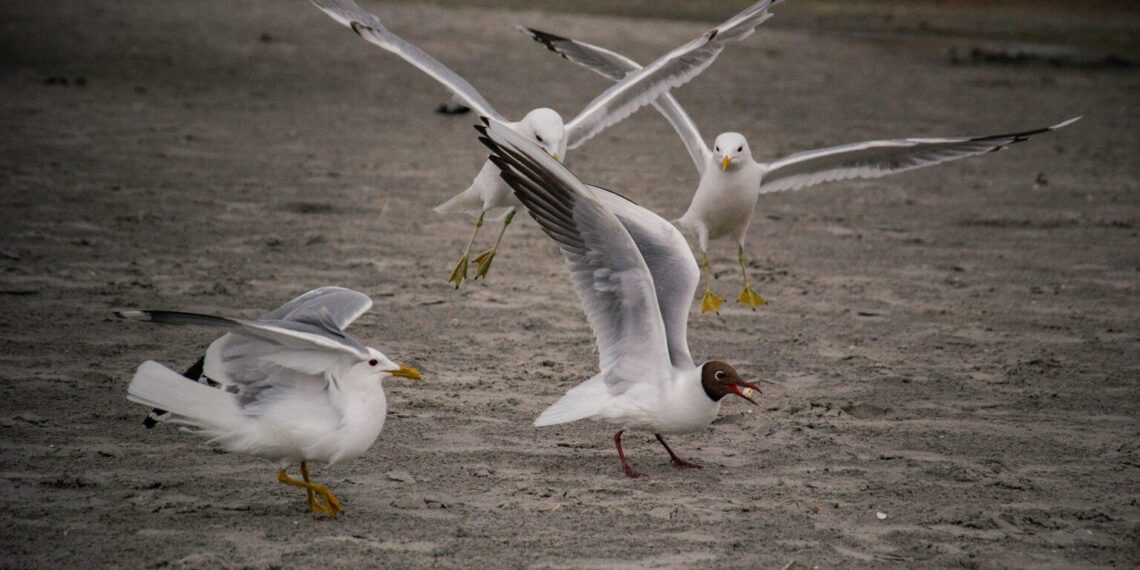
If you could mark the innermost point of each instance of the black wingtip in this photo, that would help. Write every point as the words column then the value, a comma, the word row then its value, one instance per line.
column 497, row 159
column 546, row 38
column 487, row 142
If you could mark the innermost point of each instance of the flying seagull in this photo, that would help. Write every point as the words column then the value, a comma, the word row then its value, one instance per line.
column 635, row 276
column 731, row 181
column 488, row 195
column 292, row 387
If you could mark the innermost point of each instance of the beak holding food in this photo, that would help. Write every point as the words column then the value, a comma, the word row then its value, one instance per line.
column 746, row 391
column 406, row 372
column 724, row 162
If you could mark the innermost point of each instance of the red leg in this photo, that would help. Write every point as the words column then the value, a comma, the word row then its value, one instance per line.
column 629, row 472
column 677, row 461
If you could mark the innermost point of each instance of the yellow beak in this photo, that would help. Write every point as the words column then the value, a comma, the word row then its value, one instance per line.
column 724, row 162
column 406, row 372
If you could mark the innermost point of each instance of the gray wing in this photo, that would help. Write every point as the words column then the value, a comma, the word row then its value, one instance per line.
column 606, row 268
column 671, row 263
column 299, row 344
column 879, row 158
column 315, row 331
column 343, row 305
column 667, row 72
column 368, row 26
column 615, row 67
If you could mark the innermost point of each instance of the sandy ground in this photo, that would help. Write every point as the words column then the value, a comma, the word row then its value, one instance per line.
column 955, row 348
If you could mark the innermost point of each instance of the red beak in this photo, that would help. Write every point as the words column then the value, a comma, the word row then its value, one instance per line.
column 736, row 389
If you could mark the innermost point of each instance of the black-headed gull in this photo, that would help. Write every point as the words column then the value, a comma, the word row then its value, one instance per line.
column 635, row 276
column 731, row 181
column 487, row 195
column 290, row 387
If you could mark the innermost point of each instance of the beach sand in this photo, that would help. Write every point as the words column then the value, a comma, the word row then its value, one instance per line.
column 952, row 355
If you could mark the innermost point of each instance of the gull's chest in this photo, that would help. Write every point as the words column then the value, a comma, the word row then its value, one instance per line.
column 677, row 406
column 725, row 202
column 685, row 411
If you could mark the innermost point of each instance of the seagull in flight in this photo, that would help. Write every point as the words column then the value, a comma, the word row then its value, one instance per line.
column 636, row 277
column 731, row 181
column 488, row 196
column 291, row 387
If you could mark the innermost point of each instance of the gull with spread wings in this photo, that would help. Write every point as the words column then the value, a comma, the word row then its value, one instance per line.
column 291, row 387
column 731, row 181
column 636, row 277
column 487, row 194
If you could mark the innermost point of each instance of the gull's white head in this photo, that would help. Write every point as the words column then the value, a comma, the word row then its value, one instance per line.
column 380, row 366
column 545, row 127
column 731, row 150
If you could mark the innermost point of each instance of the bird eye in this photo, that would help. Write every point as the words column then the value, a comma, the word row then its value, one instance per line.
column 739, row 149
column 719, row 375
column 373, row 362
column 539, row 137
column 717, row 149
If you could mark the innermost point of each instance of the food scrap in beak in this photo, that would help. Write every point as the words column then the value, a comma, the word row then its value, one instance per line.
column 747, row 392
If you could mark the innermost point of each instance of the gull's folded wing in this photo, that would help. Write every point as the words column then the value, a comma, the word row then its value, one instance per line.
column 880, row 158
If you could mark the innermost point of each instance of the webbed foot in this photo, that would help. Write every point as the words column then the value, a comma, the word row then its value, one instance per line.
column 460, row 271
column 751, row 298
column 711, row 302
column 483, row 263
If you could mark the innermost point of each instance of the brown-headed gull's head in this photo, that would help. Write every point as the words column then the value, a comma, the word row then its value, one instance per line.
column 719, row 380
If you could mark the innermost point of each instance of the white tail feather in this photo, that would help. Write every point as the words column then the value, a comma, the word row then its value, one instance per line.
column 463, row 203
column 191, row 403
column 581, row 402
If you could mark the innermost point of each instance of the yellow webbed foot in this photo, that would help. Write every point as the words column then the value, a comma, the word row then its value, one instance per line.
column 751, row 298
column 711, row 303
column 483, row 263
column 460, row 272
column 332, row 504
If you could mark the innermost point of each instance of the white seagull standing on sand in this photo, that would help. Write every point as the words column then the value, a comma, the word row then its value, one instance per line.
column 487, row 193
column 731, row 182
column 291, row 387
column 635, row 276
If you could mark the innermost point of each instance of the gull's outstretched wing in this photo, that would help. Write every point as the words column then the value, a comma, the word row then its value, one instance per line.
column 615, row 67
column 671, row 263
column 309, row 334
column 880, row 158
column 343, row 305
column 296, row 343
column 667, row 72
column 368, row 26
column 607, row 270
